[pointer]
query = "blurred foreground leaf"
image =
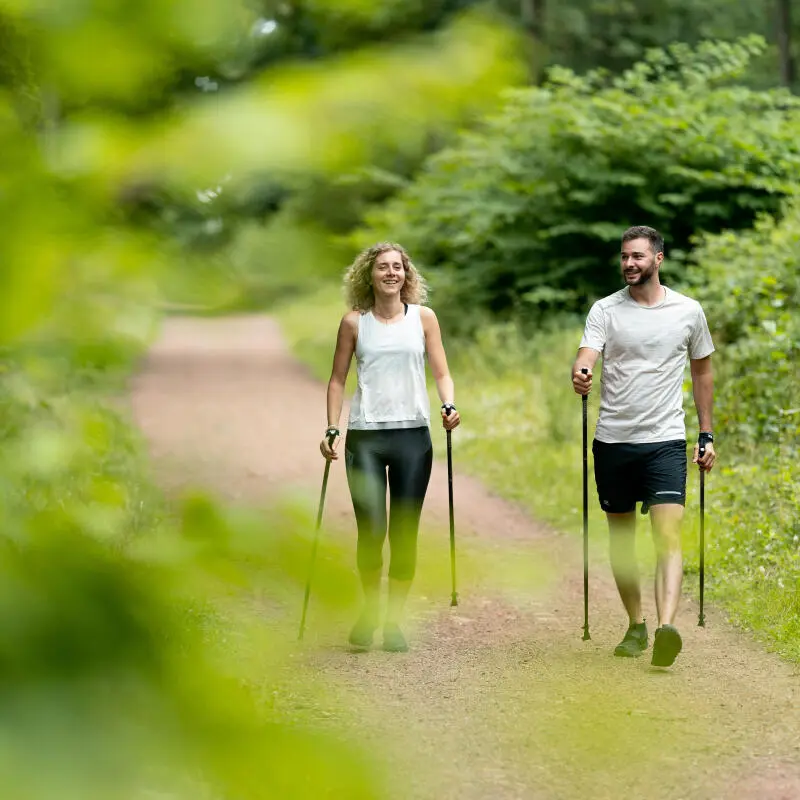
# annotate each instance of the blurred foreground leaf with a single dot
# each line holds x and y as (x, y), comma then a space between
(305, 117)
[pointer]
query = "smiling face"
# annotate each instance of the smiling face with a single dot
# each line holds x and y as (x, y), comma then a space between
(638, 262)
(388, 275)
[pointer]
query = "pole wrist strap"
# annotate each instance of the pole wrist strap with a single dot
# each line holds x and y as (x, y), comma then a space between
(705, 438)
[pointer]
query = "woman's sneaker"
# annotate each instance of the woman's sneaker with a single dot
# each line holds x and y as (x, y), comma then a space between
(667, 643)
(393, 639)
(634, 643)
(363, 631)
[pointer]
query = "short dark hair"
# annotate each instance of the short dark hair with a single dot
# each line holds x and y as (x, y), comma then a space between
(643, 232)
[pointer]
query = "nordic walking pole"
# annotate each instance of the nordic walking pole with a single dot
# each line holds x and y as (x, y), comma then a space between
(701, 621)
(331, 436)
(454, 596)
(584, 400)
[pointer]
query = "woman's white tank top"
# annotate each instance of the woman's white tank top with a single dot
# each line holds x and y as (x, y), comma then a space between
(390, 363)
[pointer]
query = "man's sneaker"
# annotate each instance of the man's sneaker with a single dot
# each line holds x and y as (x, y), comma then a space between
(364, 629)
(667, 643)
(634, 643)
(393, 639)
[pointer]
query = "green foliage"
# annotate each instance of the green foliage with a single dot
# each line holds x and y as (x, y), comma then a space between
(579, 34)
(115, 653)
(16, 70)
(262, 265)
(121, 671)
(144, 47)
(65, 448)
(527, 211)
(755, 547)
(586, 34)
(248, 151)
(118, 676)
(318, 28)
(750, 282)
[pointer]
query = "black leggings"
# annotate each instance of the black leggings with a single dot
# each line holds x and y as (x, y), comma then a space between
(407, 453)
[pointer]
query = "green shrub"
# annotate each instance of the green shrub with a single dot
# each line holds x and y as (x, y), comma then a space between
(750, 284)
(528, 210)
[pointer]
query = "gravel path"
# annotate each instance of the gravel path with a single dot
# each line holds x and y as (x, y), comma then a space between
(498, 698)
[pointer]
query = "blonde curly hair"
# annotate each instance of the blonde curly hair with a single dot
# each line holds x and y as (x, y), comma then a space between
(358, 278)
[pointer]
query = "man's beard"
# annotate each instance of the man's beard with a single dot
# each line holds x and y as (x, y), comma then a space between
(643, 278)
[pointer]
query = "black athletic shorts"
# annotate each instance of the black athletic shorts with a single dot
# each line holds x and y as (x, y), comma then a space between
(628, 473)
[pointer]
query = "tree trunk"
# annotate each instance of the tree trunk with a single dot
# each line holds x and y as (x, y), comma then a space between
(532, 13)
(784, 32)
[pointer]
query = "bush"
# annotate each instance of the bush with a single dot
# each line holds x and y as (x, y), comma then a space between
(750, 284)
(528, 210)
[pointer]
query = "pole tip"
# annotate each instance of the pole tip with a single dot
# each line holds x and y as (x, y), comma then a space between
(586, 636)
(453, 600)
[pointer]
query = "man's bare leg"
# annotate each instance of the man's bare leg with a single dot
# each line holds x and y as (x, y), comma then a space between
(622, 552)
(658, 589)
(622, 530)
(666, 523)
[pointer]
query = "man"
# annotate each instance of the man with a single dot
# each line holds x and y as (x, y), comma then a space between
(644, 333)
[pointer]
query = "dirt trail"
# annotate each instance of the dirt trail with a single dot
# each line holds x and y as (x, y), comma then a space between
(498, 698)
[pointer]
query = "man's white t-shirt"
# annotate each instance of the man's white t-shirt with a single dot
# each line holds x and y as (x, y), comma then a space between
(644, 357)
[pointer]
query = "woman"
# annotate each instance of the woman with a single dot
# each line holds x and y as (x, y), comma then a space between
(390, 334)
